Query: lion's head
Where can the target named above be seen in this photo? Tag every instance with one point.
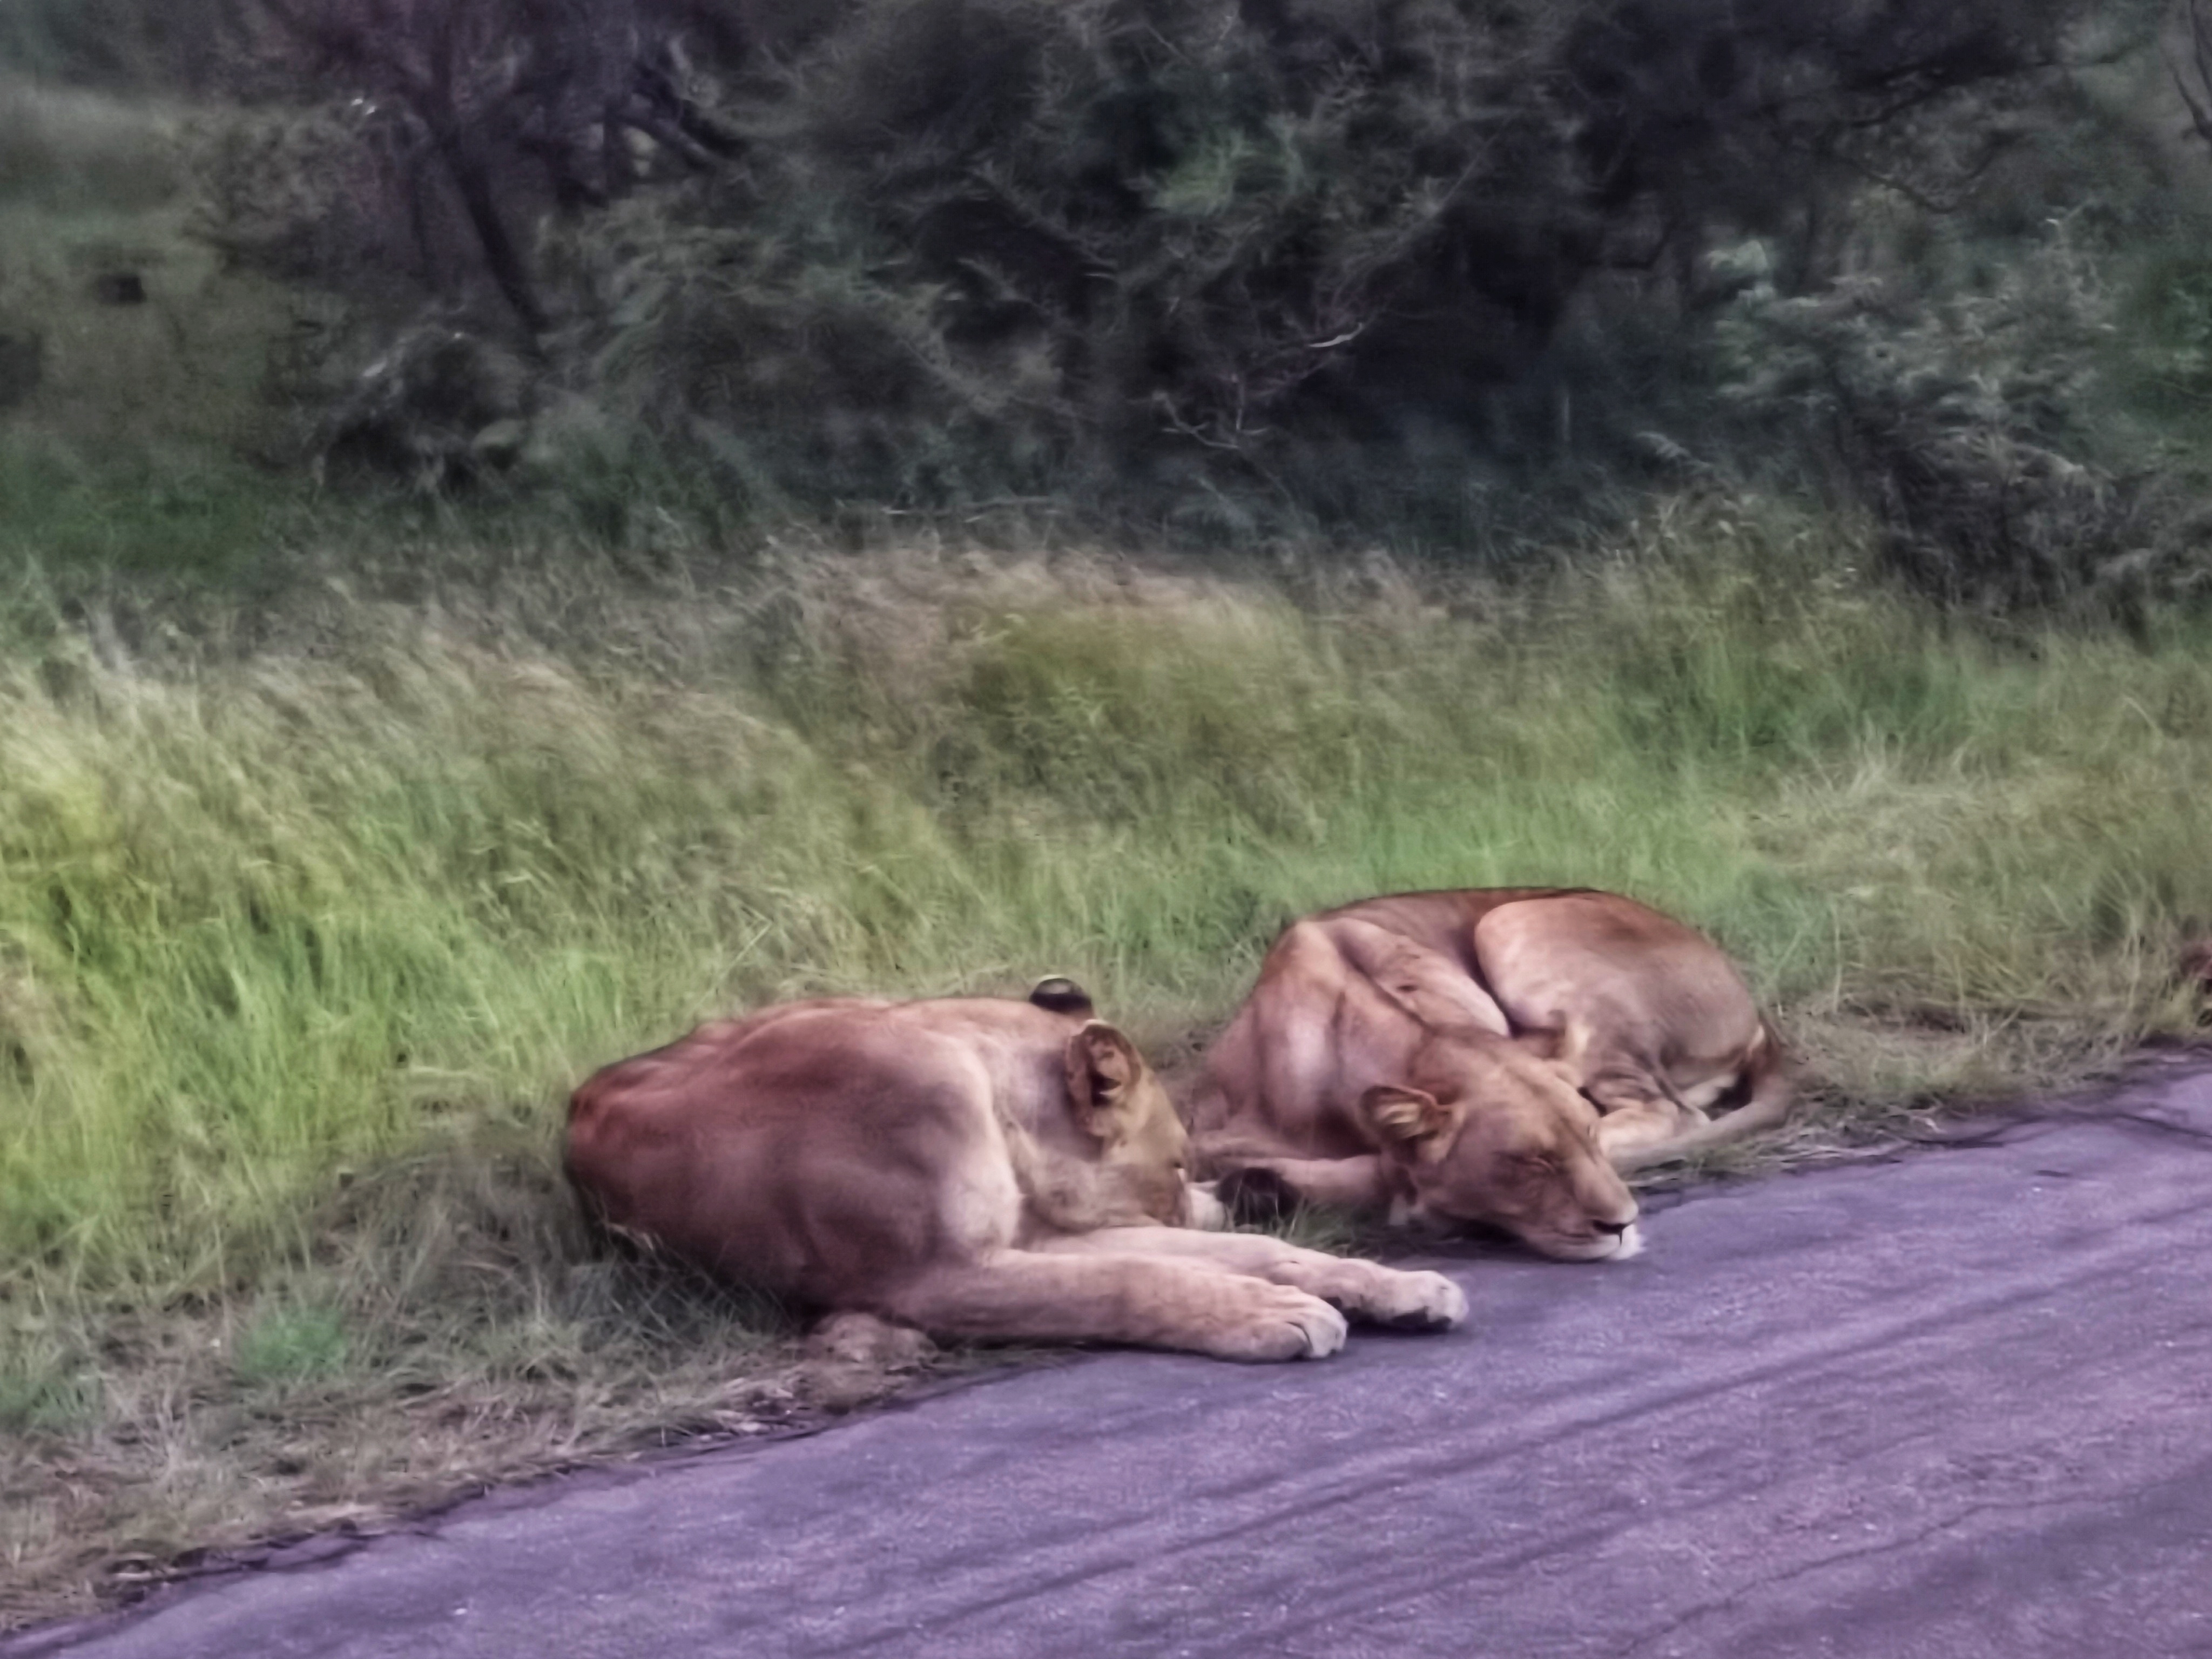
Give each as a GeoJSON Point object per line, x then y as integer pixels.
{"type": "Point", "coordinates": [1143, 1148]}
{"type": "Point", "coordinates": [1488, 1132]}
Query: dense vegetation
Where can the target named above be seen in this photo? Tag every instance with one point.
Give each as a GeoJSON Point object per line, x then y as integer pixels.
{"type": "Point", "coordinates": [1419, 268]}
{"type": "Point", "coordinates": [525, 521]}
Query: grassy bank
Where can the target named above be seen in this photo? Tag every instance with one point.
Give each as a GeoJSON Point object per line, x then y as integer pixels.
{"type": "Point", "coordinates": [302, 942]}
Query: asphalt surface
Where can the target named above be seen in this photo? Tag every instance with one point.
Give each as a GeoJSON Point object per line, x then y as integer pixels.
{"type": "Point", "coordinates": [1960, 1404]}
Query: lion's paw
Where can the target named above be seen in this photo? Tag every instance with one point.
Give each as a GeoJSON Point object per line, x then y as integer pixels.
{"type": "Point", "coordinates": [1419, 1301]}
{"type": "Point", "coordinates": [1285, 1324]}
{"type": "Point", "coordinates": [1375, 1295]}
{"type": "Point", "coordinates": [852, 1338]}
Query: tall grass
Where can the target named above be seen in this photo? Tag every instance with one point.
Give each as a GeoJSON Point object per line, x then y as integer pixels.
{"type": "Point", "coordinates": [265, 918]}
{"type": "Point", "coordinates": [302, 945]}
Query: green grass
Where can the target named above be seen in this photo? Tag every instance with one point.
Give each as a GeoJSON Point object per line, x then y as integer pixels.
{"type": "Point", "coordinates": [79, 149]}
{"type": "Point", "coordinates": [199, 521]}
{"type": "Point", "coordinates": [303, 941]}
{"type": "Point", "coordinates": [291, 1343]}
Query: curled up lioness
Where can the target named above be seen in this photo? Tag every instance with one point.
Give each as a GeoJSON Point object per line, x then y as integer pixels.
{"type": "Point", "coordinates": [1494, 1056]}
{"type": "Point", "coordinates": [972, 1168]}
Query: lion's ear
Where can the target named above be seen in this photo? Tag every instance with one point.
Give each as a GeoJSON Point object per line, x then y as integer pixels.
{"type": "Point", "coordinates": [1059, 994]}
{"type": "Point", "coordinates": [1103, 1070]}
{"type": "Point", "coordinates": [1413, 1125]}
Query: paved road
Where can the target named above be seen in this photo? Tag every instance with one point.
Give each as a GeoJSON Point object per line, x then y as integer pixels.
{"type": "Point", "coordinates": [1957, 1405]}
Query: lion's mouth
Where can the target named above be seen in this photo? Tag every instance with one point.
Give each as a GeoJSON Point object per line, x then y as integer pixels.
{"type": "Point", "coordinates": [1595, 1241]}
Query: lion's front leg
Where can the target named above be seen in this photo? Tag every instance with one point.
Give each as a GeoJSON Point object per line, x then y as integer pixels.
{"type": "Point", "coordinates": [1366, 1291]}
{"type": "Point", "coordinates": [1648, 1123]}
{"type": "Point", "coordinates": [1635, 1113]}
{"type": "Point", "coordinates": [1116, 1296]}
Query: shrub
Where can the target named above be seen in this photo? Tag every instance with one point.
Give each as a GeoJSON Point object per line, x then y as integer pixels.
{"type": "Point", "coordinates": [1969, 424]}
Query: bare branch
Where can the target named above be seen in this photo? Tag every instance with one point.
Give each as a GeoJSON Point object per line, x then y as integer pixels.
{"type": "Point", "coordinates": [2200, 40]}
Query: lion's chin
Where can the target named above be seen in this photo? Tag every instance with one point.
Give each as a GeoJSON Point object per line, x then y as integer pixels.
{"type": "Point", "coordinates": [1624, 1246]}
{"type": "Point", "coordinates": [1203, 1209]}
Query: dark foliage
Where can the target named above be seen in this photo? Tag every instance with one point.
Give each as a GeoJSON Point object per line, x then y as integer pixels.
{"type": "Point", "coordinates": [1221, 261]}
{"type": "Point", "coordinates": [983, 245]}
{"type": "Point", "coordinates": [493, 108]}
{"type": "Point", "coordinates": [123, 45]}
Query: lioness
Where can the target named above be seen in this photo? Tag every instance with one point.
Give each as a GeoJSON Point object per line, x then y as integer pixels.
{"type": "Point", "coordinates": [1492, 1056]}
{"type": "Point", "coordinates": [974, 1168]}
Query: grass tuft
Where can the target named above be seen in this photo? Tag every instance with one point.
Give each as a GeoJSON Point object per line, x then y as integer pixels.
{"type": "Point", "coordinates": [286, 1345]}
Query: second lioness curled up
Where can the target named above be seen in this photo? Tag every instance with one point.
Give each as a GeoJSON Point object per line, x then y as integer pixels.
{"type": "Point", "coordinates": [969, 1167]}
{"type": "Point", "coordinates": [1491, 1055]}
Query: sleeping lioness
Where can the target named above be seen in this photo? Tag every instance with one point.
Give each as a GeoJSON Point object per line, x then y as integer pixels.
{"type": "Point", "coordinates": [973, 1167]}
{"type": "Point", "coordinates": [1488, 1057]}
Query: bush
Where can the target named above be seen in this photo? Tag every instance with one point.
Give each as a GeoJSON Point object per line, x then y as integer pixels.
{"type": "Point", "coordinates": [1236, 262]}
{"type": "Point", "coordinates": [1976, 427]}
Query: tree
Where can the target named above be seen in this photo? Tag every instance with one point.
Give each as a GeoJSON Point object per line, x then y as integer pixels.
{"type": "Point", "coordinates": [483, 84]}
